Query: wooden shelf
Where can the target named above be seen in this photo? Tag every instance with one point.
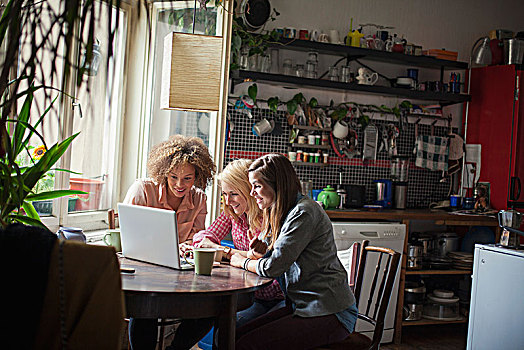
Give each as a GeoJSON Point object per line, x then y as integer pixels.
{"type": "Point", "coordinates": [307, 145]}
{"type": "Point", "coordinates": [307, 127]}
{"type": "Point", "coordinates": [439, 272]}
{"type": "Point", "coordinates": [310, 164]}
{"type": "Point", "coordinates": [442, 97]}
{"type": "Point", "coordinates": [353, 53]}
{"type": "Point", "coordinates": [426, 321]}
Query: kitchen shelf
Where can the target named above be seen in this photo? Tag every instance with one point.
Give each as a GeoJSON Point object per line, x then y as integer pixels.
{"type": "Point", "coordinates": [439, 272]}
{"type": "Point", "coordinates": [443, 98]}
{"type": "Point", "coordinates": [376, 55]}
{"type": "Point", "coordinates": [321, 165]}
{"type": "Point", "coordinates": [306, 127]}
{"type": "Point", "coordinates": [425, 321]}
{"type": "Point", "coordinates": [307, 145]}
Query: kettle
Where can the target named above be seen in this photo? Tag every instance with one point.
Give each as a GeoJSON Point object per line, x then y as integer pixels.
{"type": "Point", "coordinates": [383, 193]}
{"type": "Point", "coordinates": [329, 198]}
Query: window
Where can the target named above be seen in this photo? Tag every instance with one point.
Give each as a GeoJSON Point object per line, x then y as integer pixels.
{"type": "Point", "coordinates": [178, 17]}
{"type": "Point", "coordinates": [94, 109]}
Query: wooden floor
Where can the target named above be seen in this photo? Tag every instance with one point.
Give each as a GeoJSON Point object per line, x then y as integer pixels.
{"type": "Point", "coordinates": [436, 337]}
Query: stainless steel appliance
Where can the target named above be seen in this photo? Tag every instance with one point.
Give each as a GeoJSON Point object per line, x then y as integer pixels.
{"type": "Point", "coordinates": [382, 234]}
{"type": "Point", "coordinates": [496, 309]}
{"type": "Point", "coordinates": [383, 192]}
{"type": "Point", "coordinates": [400, 191]}
{"type": "Point", "coordinates": [415, 255]}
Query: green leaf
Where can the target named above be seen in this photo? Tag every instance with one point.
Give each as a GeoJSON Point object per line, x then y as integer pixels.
{"type": "Point", "coordinates": [42, 196]}
{"type": "Point", "coordinates": [299, 98]}
{"type": "Point", "coordinates": [4, 21]}
{"type": "Point", "coordinates": [313, 102]}
{"type": "Point", "coordinates": [291, 106]}
{"type": "Point", "coordinates": [252, 92]}
{"type": "Point", "coordinates": [27, 220]}
{"type": "Point", "coordinates": [30, 210]}
{"type": "Point", "coordinates": [273, 103]}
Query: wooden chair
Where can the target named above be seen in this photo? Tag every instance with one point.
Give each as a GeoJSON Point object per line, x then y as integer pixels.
{"type": "Point", "coordinates": [374, 309]}
{"type": "Point", "coordinates": [112, 216]}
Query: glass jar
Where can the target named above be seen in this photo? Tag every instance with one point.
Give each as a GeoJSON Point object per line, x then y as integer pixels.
{"type": "Point", "coordinates": [345, 74]}
{"type": "Point", "coordinates": [312, 56]}
{"type": "Point", "coordinates": [333, 73]}
{"type": "Point", "coordinates": [311, 75]}
{"type": "Point", "coordinates": [287, 67]}
{"type": "Point", "coordinates": [244, 58]}
{"type": "Point", "coordinates": [299, 70]}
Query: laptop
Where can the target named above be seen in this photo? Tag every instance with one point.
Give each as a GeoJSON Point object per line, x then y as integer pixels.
{"type": "Point", "coordinates": [150, 235]}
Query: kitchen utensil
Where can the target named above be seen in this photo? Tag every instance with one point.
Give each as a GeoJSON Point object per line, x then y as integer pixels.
{"type": "Point", "coordinates": [414, 260]}
{"type": "Point", "coordinates": [513, 51]}
{"type": "Point", "coordinates": [414, 293]}
{"type": "Point", "coordinates": [355, 196]}
{"type": "Point", "coordinates": [400, 195]}
{"type": "Point", "coordinates": [447, 242]}
{"type": "Point", "coordinates": [510, 221]}
{"type": "Point", "coordinates": [370, 143]}
{"type": "Point", "coordinates": [383, 192]}
{"type": "Point", "coordinates": [405, 82]}
{"type": "Point", "coordinates": [413, 312]}
{"type": "Point", "coordinates": [399, 167]}
{"type": "Point", "coordinates": [329, 198]}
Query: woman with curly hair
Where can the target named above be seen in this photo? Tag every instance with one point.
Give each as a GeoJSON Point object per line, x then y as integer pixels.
{"type": "Point", "coordinates": [179, 171]}
{"type": "Point", "coordinates": [242, 218]}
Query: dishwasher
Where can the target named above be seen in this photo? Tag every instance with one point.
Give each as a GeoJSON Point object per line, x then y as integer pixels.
{"type": "Point", "coordinates": [382, 234]}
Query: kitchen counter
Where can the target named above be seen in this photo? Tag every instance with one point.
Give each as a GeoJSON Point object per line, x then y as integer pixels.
{"type": "Point", "coordinates": [440, 217]}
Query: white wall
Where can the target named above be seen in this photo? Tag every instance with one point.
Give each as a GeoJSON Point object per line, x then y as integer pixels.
{"type": "Point", "coordinates": [451, 24]}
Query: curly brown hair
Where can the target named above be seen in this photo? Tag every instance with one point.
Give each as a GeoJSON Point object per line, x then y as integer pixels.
{"type": "Point", "coordinates": [178, 150]}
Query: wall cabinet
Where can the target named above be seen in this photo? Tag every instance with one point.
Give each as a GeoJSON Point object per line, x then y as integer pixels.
{"type": "Point", "coordinates": [352, 53]}
{"type": "Point", "coordinates": [406, 217]}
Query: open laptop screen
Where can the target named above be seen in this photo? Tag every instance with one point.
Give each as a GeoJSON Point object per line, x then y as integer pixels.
{"type": "Point", "coordinates": [149, 234]}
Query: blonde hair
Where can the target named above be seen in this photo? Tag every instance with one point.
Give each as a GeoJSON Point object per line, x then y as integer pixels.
{"type": "Point", "coordinates": [235, 175]}
{"type": "Point", "coordinates": [180, 150]}
{"type": "Point", "coordinates": [276, 171]}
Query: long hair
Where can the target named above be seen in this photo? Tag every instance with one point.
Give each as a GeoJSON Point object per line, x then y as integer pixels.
{"type": "Point", "coordinates": [235, 175]}
{"type": "Point", "coordinates": [276, 171]}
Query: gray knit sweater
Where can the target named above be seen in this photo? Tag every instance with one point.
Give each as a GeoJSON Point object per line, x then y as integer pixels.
{"type": "Point", "coordinates": [305, 253]}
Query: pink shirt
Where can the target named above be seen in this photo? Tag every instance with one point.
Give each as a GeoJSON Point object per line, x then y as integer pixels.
{"type": "Point", "coordinates": [191, 213]}
{"type": "Point", "coordinates": [239, 229]}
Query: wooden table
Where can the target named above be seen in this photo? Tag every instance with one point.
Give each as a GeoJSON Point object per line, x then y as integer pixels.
{"type": "Point", "coordinates": [160, 292]}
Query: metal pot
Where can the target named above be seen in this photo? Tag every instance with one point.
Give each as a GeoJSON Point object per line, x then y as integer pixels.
{"type": "Point", "coordinates": [414, 260]}
{"type": "Point", "coordinates": [413, 312]}
{"type": "Point", "coordinates": [447, 242]}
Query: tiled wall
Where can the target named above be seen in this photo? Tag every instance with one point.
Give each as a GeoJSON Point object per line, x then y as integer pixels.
{"type": "Point", "coordinates": [424, 186]}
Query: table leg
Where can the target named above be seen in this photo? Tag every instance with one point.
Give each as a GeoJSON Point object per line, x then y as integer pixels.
{"type": "Point", "coordinates": [227, 322]}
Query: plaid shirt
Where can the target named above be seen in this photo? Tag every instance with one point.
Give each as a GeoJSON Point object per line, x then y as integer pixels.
{"type": "Point", "coordinates": [239, 229]}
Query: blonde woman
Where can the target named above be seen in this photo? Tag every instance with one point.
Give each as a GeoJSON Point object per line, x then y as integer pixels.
{"type": "Point", "coordinates": [301, 254]}
{"type": "Point", "coordinates": [242, 218]}
{"type": "Point", "coordinates": [179, 171]}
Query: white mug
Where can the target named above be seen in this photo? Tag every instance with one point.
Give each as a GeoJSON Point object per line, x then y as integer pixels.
{"type": "Point", "coordinates": [333, 36]}
{"type": "Point", "coordinates": [323, 38]}
{"type": "Point", "coordinates": [341, 129]}
{"type": "Point", "coordinates": [313, 35]}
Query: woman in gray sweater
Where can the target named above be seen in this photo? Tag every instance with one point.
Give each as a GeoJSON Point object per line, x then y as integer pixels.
{"type": "Point", "coordinates": [297, 248]}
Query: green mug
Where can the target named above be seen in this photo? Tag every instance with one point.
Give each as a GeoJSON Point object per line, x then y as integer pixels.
{"type": "Point", "coordinates": [204, 258]}
{"type": "Point", "coordinates": [112, 238]}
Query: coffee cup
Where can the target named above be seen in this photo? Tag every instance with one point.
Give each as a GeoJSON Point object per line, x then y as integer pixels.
{"type": "Point", "coordinates": [314, 35]}
{"type": "Point", "coordinates": [112, 238]}
{"type": "Point", "coordinates": [341, 129]}
{"type": "Point", "coordinates": [219, 254]}
{"type": "Point", "coordinates": [365, 77]}
{"type": "Point", "coordinates": [204, 258]}
{"type": "Point", "coordinates": [323, 38]}
{"type": "Point", "coordinates": [290, 33]}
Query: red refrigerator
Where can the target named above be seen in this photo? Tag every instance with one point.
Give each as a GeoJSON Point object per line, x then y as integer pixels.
{"type": "Point", "coordinates": [496, 122]}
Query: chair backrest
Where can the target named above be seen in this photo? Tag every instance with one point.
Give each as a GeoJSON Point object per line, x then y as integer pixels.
{"type": "Point", "coordinates": [112, 217]}
{"type": "Point", "coordinates": [373, 310]}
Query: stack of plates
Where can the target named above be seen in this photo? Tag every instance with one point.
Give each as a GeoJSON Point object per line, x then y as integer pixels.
{"type": "Point", "coordinates": [462, 260]}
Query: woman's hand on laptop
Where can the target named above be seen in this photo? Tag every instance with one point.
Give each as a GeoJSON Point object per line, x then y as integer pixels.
{"type": "Point", "coordinates": [185, 249]}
